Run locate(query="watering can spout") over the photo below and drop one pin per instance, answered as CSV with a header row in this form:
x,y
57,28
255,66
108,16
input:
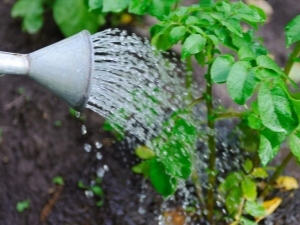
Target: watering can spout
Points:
x,y
65,68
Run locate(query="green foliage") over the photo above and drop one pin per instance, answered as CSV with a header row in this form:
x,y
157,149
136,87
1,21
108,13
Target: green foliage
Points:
x,y
95,189
73,16
292,31
23,205
59,180
31,12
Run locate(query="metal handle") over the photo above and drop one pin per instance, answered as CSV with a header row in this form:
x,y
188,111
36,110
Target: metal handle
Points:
x,y
13,63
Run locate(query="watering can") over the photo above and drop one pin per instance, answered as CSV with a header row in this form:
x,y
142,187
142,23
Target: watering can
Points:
x,y
64,68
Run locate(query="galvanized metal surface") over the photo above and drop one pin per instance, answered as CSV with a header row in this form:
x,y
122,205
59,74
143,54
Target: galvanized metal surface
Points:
x,y
12,63
65,68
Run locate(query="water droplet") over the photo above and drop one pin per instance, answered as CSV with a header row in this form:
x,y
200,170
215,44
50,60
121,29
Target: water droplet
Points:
x,y
98,145
83,130
99,156
89,193
87,147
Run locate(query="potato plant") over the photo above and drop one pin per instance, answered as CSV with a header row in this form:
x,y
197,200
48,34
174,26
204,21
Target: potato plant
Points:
x,y
204,30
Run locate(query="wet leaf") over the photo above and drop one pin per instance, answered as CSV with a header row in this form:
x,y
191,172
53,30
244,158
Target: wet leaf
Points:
x,y
233,25
192,45
114,6
266,151
221,68
232,180
249,189
177,33
241,82
138,7
142,168
259,173
294,143
143,152
276,109
248,165
200,57
292,31
254,209
270,206
97,191
287,183
246,53
245,221
161,36
95,4
233,199
250,13
163,183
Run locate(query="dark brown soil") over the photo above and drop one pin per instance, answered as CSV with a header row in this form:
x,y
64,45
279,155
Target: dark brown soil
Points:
x,y
33,149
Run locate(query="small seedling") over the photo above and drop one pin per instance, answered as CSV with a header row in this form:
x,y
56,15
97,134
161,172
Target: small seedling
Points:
x,y
95,189
23,205
58,180
58,123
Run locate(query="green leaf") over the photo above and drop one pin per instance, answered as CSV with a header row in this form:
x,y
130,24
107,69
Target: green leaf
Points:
x,y
162,182
233,25
192,20
259,173
221,68
97,190
192,45
233,200
294,143
73,16
177,33
241,82
198,30
249,189
265,151
214,39
58,180
254,209
206,3
245,221
138,7
292,31
266,74
248,165
160,9
246,53
200,58
95,4
276,138
81,185
254,121
143,152
142,168
100,203
232,180
21,206
275,109
268,63
31,12
161,36
114,6
250,13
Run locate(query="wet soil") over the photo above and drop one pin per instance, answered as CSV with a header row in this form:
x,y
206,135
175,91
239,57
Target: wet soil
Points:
x,y
34,148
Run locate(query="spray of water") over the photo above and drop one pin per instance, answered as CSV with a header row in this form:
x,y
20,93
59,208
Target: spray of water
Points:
x,y
133,85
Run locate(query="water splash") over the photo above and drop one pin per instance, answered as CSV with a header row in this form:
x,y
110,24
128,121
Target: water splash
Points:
x,y
133,85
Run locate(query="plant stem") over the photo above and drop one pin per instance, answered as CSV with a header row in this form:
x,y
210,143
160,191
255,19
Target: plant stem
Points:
x,y
195,102
199,193
276,174
291,61
228,115
211,140
189,77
